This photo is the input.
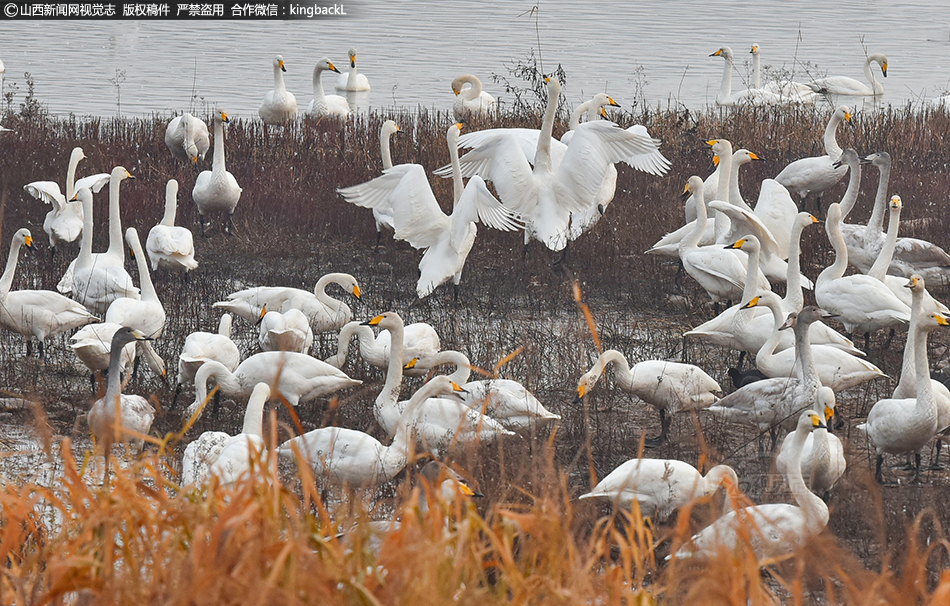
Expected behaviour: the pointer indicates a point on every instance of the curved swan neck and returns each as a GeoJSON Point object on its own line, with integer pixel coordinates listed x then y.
{"type": "Point", "coordinates": [224, 326]}
{"type": "Point", "coordinates": [318, 83]}
{"type": "Point", "coordinates": [141, 263]}
{"type": "Point", "coordinates": [623, 375]}
{"type": "Point", "coordinates": [833, 229]}
{"type": "Point", "coordinates": [578, 113]}
{"type": "Point", "coordinates": [226, 380]}
{"type": "Point", "coordinates": [384, 150]}
{"type": "Point", "coordinates": [343, 341]}
{"type": "Point", "coordinates": [794, 296]}
{"type": "Point", "coordinates": [883, 261]}
{"type": "Point", "coordinates": [6, 280]}
{"type": "Point", "coordinates": [869, 74]}
{"type": "Point", "coordinates": [735, 196]}
{"type": "Point", "coordinates": [854, 185]}
{"type": "Point", "coordinates": [542, 157]}
{"type": "Point", "coordinates": [320, 292]}
{"type": "Point", "coordinates": [254, 414]}
{"type": "Point", "coordinates": [171, 203]}
{"type": "Point", "coordinates": [778, 318]}
{"type": "Point", "coordinates": [876, 222]}
{"type": "Point", "coordinates": [390, 393]}
{"type": "Point", "coordinates": [815, 510]}
{"type": "Point", "coordinates": [463, 366]}
{"type": "Point", "coordinates": [217, 162]}
{"type": "Point", "coordinates": [452, 138]}
{"type": "Point", "coordinates": [831, 142]}
{"type": "Point", "coordinates": [74, 159]}
{"type": "Point", "coordinates": [699, 224]}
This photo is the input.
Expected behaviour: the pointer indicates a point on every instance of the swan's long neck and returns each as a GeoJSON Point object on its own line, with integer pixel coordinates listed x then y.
{"type": "Point", "coordinates": [227, 381]}
{"type": "Point", "coordinates": [318, 85]}
{"type": "Point", "coordinates": [74, 159]}
{"type": "Point", "coordinates": [171, 204]}
{"type": "Point", "coordinates": [115, 220]}
{"type": "Point", "coordinates": [395, 457]}
{"type": "Point", "coordinates": [854, 186]}
{"type": "Point", "coordinates": [384, 151]}
{"type": "Point", "coordinates": [735, 196]}
{"type": "Point", "coordinates": [926, 407]}
{"type": "Point", "coordinates": [756, 75]}
{"type": "Point", "coordinates": [390, 393]}
{"type": "Point", "coordinates": [883, 261]}
{"type": "Point", "coordinates": [751, 273]}
{"type": "Point", "coordinates": [224, 326]}
{"type": "Point", "coordinates": [815, 510]}
{"type": "Point", "coordinates": [876, 222]}
{"type": "Point", "coordinates": [457, 185]}
{"type": "Point", "coordinates": [85, 244]}
{"type": "Point", "coordinates": [145, 278]}
{"type": "Point", "coordinates": [714, 478]}
{"type": "Point", "coordinates": [463, 366]}
{"type": "Point", "coordinates": [320, 292]}
{"type": "Point", "coordinates": [836, 269]}
{"type": "Point", "coordinates": [114, 383]}
{"type": "Point", "coordinates": [831, 142]}
{"type": "Point", "coordinates": [699, 225]}
{"type": "Point", "coordinates": [725, 89]}
{"type": "Point", "coordinates": [794, 296]}
{"type": "Point", "coordinates": [279, 79]}
{"type": "Point", "coordinates": [542, 157]}
{"type": "Point", "coordinates": [622, 373]}
{"type": "Point", "coordinates": [869, 74]}
{"type": "Point", "coordinates": [722, 191]}
{"type": "Point", "coordinates": [474, 91]}
{"type": "Point", "coordinates": [351, 76]}
{"type": "Point", "coordinates": [343, 341]}
{"type": "Point", "coordinates": [907, 385]}
{"type": "Point", "coordinates": [217, 163]}
{"type": "Point", "coordinates": [6, 280]}
{"type": "Point", "coordinates": [768, 348]}
{"type": "Point", "coordinates": [804, 354]}
{"type": "Point", "coordinates": [254, 415]}
{"type": "Point", "coordinates": [576, 116]}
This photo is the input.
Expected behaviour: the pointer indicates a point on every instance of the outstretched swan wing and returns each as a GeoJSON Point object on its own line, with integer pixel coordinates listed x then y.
{"type": "Point", "coordinates": [93, 182]}
{"type": "Point", "coordinates": [47, 191]}
{"type": "Point", "coordinates": [477, 204]}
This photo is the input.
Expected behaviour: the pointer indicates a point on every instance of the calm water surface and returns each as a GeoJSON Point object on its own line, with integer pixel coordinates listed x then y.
{"type": "Point", "coordinates": [412, 50]}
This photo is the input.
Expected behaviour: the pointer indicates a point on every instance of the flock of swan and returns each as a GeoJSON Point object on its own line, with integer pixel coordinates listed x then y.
{"type": "Point", "coordinates": [555, 190]}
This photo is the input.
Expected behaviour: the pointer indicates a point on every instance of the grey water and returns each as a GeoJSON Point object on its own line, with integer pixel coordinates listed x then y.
{"type": "Point", "coordinates": [654, 51]}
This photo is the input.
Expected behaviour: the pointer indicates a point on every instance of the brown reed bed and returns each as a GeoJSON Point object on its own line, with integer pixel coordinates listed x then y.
{"type": "Point", "coordinates": [293, 228]}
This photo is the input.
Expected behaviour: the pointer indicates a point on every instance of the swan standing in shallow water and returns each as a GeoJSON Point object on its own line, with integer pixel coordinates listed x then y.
{"type": "Point", "coordinates": [788, 90]}
{"type": "Point", "coordinates": [280, 105]}
{"type": "Point", "coordinates": [749, 96]}
{"type": "Point", "coordinates": [38, 314]}
{"type": "Point", "coordinates": [670, 387]}
{"type": "Point", "coordinates": [169, 245]}
{"type": "Point", "coordinates": [324, 312]}
{"type": "Point", "coordinates": [661, 486]}
{"type": "Point", "coordinates": [64, 222]}
{"type": "Point", "coordinates": [899, 425]}
{"type": "Point", "coordinates": [419, 220]}
{"type": "Point", "coordinates": [772, 530]}
{"type": "Point", "coordinates": [322, 104]}
{"type": "Point", "coordinates": [352, 81]}
{"type": "Point", "coordinates": [843, 85]}
{"type": "Point", "coordinates": [472, 102]}
{"type": "Point", "coordinates": [188, 138]}
{"type": "Point", "coordinates": [217, 189]}
{"type": "Point", "coordinates": [345, 456]}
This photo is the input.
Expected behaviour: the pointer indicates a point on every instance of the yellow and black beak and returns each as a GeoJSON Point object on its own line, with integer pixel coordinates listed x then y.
{"type": "Point", "coordinates": [884, 69]}
{"type": "Point", "coordinates": [224, 116]}
{"type": "Point", "coordinates": [716, 54]}
{"type": "Point", "coordinates": [753, 156]}
{"type": "Point", "coordinates": [817, 422]}
{"type": "Point", "coordinates": [263, 313]}
{"type": "Point", "coordinates": [612, 102]}
{"type": "Point", "coordinates": [460, 125]}
{"type": "Point", "coordinates": [375, 321]}
{"type": "Point", "coordinates": [411, 364]}
{"type": "Point", "coordinates": [752, 303]}
{"type": "Point", "coordinates": [941, 320]}
{"type": "Point", "coordinates": [686, 193]}
{"type": "Point", "coordinates": [912, 282]}
{"type": "Point", "coordinates": [28, 242]}
{"type": "Point", "coordinates": [281, 63]}
{"type": "Point", "coordinates": [356, 291]}
{"type": "Point", "coordinates": [737, 245]}
{"type": "Point", "coordinates": [332, 67]}
{"type": "Point", "coordinates": [581, 390]}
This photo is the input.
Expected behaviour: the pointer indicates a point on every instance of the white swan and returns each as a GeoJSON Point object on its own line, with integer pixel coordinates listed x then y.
{"type": "Point", "coordinates": [352, 81]}
{"type": "Point", "coordinates": [859, 302]}
{"type": "Point", "coordinates": [64, 222]}
{"type": "Point", "coordinates": [749, 96]}
{"type": "Point", "coordinates": [38, 314]}
{"type": "Point", "coordinates": [661, 486]}
{"type": "Point", "coordinates": [853, 234]}
{"type": "Point", "coordinates": [112, 261]}
{"type": "Point", "coordinates": [146, 315]}
{"type": "Point", "coordinates": [169, 245]}
{"type": "Point", "coordinates": [720, 272]}
{"type": "Point", "coordinates": [843, 85]}
{"type": "Point", "coordinates": [419, 219]}
{"type": "Point", "coordinates": [788, 90]}
{"type": "Point", "coordinates": [295, 376]}
{"type": "Point", "coordinates": [280, 105]}
{"type": "Point", "coordinates": [745, 225]}
{"type": "Point", "coordinates": [439, 424]}
{"type": "Point", "coordinates": [670, 387]}
{"type": "Point", "coordinates": [322, 104]}
{"type": "Point", "coordinates": [906, 424]}
{"type": "Point", "coordinates": [772, 530]}
{"type": "Point", "coordinates": [546, 195]}
{"type": "Point", "coordinates": [285, 331]}
{"type": "Point", "coordinates": [118, 417]}
{"type": "Point", "coordinates": [911, 255]}
{"type": "Point", "coordinates": [883, 262]}
{"type": "Point", "coordinates": [325, 312]}
{"type": "Point", "coordinates": [815, 174]}
{"type": "Point", "coordinates": [188, 138]}
{"type": "Point", "coordinates": [472, 102]}
{"type": "Point", "coordinates": [349, 457]}
{"type": "Point", "coordinates": [771, 403]}
{"type": "Point", "coordinates": [836, 368]}
{"type": "Point", "coordinates": [504, 400]}
{"type": "Point", "coordinates": [384, 216]}
{"type": "Point", "coordinates": [242, 455]}
{"type": "Point", "coordinates": [217, 189]}
{"type": "Point", "coordinates": [201, 347]}
{"type": "Point", "coordinates": [419, 339]}
{"type": "Point", "coordinates": [822, 458]}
